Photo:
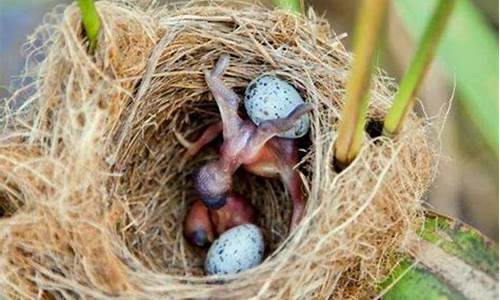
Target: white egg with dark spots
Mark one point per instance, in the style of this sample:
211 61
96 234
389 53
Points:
269 97
236 250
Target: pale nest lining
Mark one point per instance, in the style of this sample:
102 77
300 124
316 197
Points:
93 192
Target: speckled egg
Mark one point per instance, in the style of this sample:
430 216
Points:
236 250
269 97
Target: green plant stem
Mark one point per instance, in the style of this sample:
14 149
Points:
296 6
91 22
411 81
366 37
469 54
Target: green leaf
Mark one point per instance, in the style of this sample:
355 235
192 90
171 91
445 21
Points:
464 266
412 282
469 54
460 240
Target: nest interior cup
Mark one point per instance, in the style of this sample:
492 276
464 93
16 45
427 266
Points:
96 190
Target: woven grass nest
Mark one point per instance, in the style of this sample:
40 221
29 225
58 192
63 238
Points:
93 194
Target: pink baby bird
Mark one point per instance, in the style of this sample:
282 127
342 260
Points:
202 225
255 148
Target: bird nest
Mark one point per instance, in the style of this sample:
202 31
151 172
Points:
94 193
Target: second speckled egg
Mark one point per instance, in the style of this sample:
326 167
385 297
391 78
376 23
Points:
236 250
269 97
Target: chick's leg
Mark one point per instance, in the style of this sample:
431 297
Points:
227 100
292 181
286 158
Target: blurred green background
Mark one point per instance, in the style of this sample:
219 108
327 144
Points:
467 66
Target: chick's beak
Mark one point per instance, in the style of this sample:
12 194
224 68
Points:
198 228
214 203
200 238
